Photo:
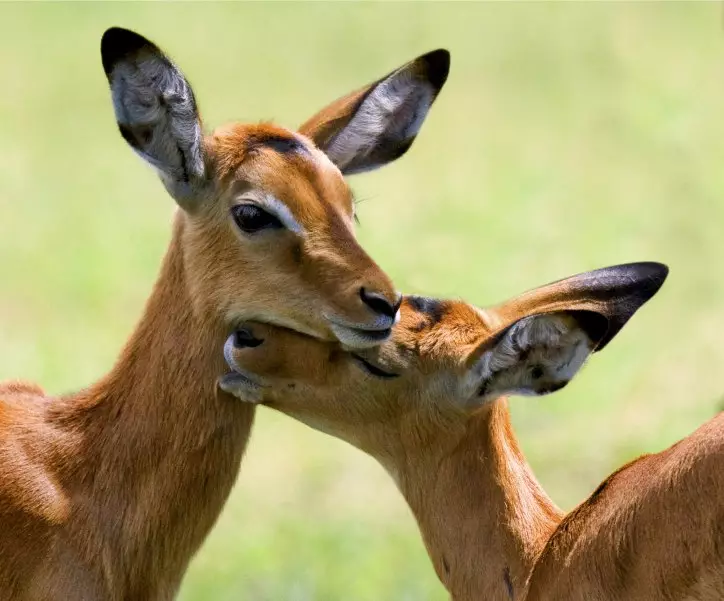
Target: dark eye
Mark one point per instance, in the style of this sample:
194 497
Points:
373 369
251 218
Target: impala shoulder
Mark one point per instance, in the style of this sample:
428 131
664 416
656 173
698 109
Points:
27 485
608 502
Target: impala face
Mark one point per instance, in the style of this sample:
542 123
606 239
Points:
446 359
282 225
267 218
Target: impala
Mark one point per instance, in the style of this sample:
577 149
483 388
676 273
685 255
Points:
430 406
108 492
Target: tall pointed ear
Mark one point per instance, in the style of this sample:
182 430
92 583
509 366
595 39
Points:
156 112
377 124
545 336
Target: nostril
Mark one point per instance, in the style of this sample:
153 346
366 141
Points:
245 339
379 304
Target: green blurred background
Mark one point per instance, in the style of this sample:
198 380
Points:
569 137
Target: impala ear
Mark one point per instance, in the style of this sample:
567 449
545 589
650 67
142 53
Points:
537 355
377 124
156 112
547 334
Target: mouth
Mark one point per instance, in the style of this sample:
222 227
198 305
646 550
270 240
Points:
359 338
238 382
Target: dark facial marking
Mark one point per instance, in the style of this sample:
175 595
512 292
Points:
536 372
278 143
433 309
420 326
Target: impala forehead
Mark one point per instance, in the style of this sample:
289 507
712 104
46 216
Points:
435 330
283 164
310 191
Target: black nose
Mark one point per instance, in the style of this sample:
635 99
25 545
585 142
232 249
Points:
243 338
379 304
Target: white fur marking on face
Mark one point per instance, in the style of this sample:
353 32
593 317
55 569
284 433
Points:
278 208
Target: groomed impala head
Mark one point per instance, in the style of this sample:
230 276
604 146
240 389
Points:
446 359
267 219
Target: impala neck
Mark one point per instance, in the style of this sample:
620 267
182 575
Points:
157 448
483 515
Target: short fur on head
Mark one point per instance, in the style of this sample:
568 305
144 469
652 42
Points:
300 262
452 354
107 493
427 406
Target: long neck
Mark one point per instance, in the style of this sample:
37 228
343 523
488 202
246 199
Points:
483 516
156 448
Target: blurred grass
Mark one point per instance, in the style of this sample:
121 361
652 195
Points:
569 137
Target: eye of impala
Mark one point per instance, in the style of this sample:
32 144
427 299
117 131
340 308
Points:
373 369
250 218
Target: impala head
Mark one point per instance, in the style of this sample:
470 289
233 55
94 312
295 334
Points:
266 216
445 361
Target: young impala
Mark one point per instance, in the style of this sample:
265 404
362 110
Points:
430 406
105 494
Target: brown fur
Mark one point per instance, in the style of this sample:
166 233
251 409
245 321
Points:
487 523
480 510
106 494
321 272
654 526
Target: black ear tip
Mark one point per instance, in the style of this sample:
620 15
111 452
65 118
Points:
118 43
658 270
630 280
638 283
649 276
437 66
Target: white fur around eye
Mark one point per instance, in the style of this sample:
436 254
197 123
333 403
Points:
276 207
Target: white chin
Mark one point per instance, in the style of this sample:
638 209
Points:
241 387
356 338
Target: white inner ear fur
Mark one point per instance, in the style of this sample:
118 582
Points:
537 355
393 111
151 93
